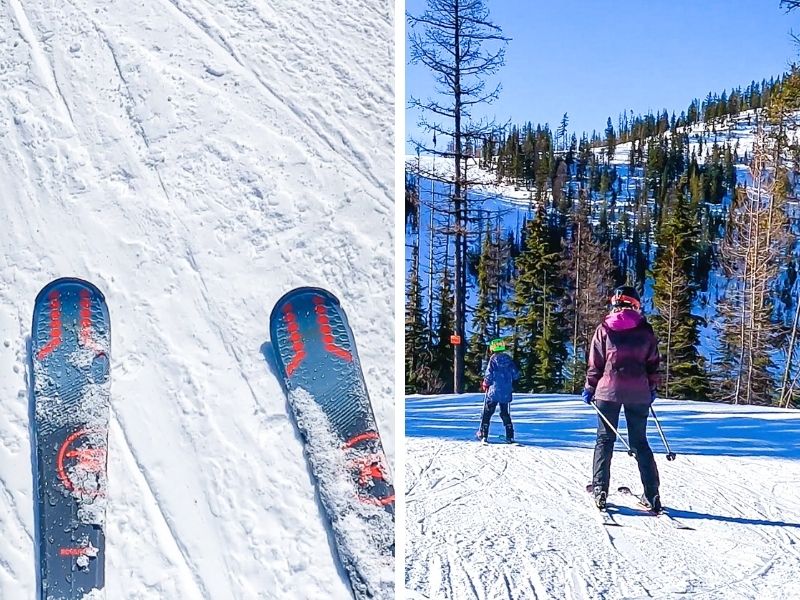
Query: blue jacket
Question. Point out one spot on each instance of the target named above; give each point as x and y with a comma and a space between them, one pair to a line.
500, 373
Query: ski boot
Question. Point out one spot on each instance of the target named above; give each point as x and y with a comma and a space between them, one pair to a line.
651, 503
600, 498
483, 436
510, 434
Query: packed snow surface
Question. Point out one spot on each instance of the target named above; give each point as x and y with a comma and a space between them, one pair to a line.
499, 521
195, 160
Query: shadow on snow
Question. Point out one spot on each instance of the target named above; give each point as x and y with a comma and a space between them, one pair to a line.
564, 421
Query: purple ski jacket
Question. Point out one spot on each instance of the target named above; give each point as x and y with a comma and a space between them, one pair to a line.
623, 359
501, 372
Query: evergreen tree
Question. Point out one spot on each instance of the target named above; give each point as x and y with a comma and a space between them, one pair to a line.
561, 132
539, 344
416, 332
442, 351
611, 140
486, 317
417, 356
543, 159
673, 296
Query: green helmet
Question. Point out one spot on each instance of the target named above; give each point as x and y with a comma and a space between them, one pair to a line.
497, 345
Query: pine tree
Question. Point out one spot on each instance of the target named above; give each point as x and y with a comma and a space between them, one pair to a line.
417, 355
543, 159
537, 319
611, 140
486, 317
561, 132
673, 295
442, 351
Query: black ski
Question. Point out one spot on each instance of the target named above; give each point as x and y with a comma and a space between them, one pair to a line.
70, 350
504, 440
606, 518
676, 523
316, 359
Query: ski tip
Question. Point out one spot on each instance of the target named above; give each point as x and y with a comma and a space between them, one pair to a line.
72, 282
303, 291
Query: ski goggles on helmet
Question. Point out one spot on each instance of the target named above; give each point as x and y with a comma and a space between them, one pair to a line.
622, 300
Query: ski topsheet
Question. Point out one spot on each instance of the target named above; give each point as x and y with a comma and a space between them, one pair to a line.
70, 353
316, 358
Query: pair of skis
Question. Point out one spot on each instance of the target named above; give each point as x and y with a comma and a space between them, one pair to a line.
316, 359
608, 519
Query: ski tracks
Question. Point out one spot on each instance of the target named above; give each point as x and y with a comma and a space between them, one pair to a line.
43, 67
133, 476
314, 125
477, 529
153, 157
16, 469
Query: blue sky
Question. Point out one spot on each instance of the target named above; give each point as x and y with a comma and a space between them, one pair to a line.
600, 57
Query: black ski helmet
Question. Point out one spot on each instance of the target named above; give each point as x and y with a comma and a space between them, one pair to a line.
626, 296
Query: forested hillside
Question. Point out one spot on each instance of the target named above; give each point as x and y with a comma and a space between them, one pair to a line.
697, 210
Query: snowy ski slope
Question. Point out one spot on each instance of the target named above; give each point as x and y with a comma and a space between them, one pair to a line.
195, 160
494, 522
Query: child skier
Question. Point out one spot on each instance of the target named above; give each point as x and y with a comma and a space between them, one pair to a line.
501, 372
622, 371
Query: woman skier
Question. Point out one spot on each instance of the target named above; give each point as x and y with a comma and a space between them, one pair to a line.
622, 372
501, 372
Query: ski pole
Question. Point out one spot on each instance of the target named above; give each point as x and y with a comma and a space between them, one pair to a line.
670, 453
614, 429
483, 410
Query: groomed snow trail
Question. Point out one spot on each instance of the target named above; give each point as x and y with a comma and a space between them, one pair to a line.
497, 521
195, 160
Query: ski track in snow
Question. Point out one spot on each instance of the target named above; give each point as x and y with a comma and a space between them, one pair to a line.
496, 521
195, 160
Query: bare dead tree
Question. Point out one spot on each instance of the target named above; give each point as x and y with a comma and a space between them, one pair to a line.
782, 118
451, 39
752, 253
588, 266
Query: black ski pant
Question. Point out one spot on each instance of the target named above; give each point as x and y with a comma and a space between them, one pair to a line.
505, 414
636, 418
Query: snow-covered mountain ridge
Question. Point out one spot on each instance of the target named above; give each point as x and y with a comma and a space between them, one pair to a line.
738, 132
